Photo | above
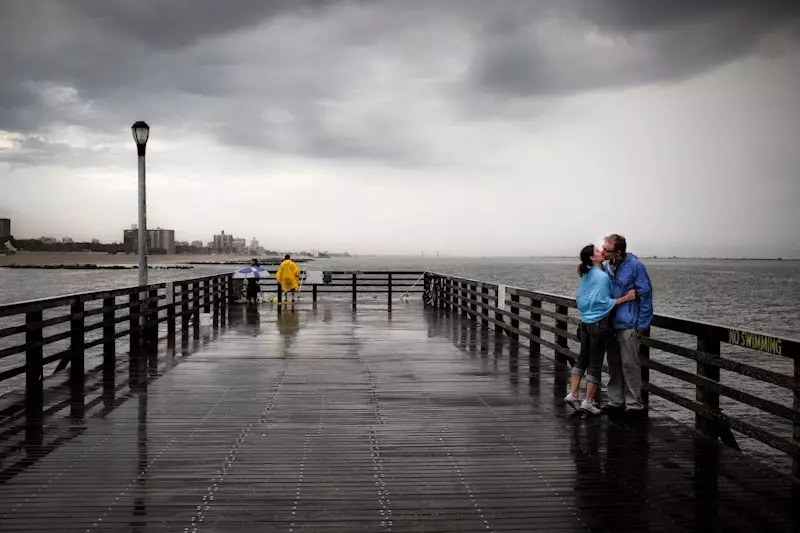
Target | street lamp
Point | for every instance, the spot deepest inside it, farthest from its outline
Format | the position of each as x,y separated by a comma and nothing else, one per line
141,132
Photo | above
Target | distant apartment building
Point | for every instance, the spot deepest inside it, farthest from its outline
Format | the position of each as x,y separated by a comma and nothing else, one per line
5,227
197,244
157,239
223,243
163,239
254,246
240,246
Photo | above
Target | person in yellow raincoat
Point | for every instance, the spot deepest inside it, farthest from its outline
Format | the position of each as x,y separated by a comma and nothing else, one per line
288,275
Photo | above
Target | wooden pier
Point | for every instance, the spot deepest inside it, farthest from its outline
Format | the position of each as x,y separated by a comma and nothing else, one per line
332,416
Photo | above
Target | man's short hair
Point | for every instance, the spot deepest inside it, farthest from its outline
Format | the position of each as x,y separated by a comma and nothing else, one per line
287,256
618,243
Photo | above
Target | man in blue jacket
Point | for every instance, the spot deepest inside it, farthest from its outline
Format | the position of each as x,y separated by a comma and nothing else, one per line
631,322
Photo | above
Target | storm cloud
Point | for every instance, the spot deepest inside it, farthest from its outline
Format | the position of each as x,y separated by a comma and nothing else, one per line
574,45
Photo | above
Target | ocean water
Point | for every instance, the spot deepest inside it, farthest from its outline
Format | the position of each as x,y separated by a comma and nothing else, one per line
762,296
759,295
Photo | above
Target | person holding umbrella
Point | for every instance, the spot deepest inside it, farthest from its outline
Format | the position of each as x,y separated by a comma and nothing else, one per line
288,276
252,274
253,287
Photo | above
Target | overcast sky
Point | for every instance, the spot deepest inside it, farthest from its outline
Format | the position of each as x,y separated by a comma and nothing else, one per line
471,127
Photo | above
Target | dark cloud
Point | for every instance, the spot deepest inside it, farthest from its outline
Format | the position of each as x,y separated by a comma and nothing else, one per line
647,15
571,46
290,75
177,23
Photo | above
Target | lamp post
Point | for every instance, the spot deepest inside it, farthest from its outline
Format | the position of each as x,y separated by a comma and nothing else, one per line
141,132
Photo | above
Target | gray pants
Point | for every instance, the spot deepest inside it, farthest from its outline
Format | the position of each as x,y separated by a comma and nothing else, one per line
624,369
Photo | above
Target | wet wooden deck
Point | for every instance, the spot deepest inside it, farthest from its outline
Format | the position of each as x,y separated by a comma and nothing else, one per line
325,420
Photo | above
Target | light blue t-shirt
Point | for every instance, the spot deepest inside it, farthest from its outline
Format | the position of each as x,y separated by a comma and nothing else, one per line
594,296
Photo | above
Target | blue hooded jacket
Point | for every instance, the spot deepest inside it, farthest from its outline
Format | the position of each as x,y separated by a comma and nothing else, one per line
628,275
594,296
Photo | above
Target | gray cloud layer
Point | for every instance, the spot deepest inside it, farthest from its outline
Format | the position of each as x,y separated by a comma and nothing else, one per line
91,62
575,45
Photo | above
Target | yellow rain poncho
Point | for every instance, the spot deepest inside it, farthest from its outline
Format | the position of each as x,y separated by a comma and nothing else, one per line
288,275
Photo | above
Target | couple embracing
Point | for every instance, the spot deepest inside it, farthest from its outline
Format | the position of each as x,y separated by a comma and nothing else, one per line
615,301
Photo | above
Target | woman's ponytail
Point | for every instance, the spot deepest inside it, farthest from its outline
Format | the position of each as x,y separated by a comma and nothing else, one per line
586,260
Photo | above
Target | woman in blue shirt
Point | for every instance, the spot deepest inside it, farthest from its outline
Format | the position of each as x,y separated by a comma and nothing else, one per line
595,304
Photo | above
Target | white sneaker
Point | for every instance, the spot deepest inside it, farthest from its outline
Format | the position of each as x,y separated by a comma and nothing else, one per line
572,401
590,407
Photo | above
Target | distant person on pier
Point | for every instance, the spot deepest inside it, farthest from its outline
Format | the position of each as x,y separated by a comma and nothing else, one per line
631,322
288,276
595,305
253,287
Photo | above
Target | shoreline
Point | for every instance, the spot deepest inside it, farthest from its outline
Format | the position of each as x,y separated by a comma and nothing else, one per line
69,260
91,266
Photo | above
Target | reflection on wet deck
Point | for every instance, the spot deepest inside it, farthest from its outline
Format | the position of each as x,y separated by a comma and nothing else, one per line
322,419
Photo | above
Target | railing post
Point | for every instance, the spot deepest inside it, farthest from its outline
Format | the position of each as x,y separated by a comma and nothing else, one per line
207,296
474,299
133,322
223,301
152,320
34,390
170,299
560,381
214,303
134,337
109,350
535,349
561,339
451,295
314,294
231,296
498,315
514,314
796,424
707,397
76,357
389,291
196,309
184,314
463,299
354,291
485,310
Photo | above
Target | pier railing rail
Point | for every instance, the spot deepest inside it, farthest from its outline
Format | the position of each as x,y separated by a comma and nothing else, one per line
60,331
377,283
527,315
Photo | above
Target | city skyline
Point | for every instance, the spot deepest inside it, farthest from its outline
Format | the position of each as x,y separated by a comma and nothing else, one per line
255,244
473,128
